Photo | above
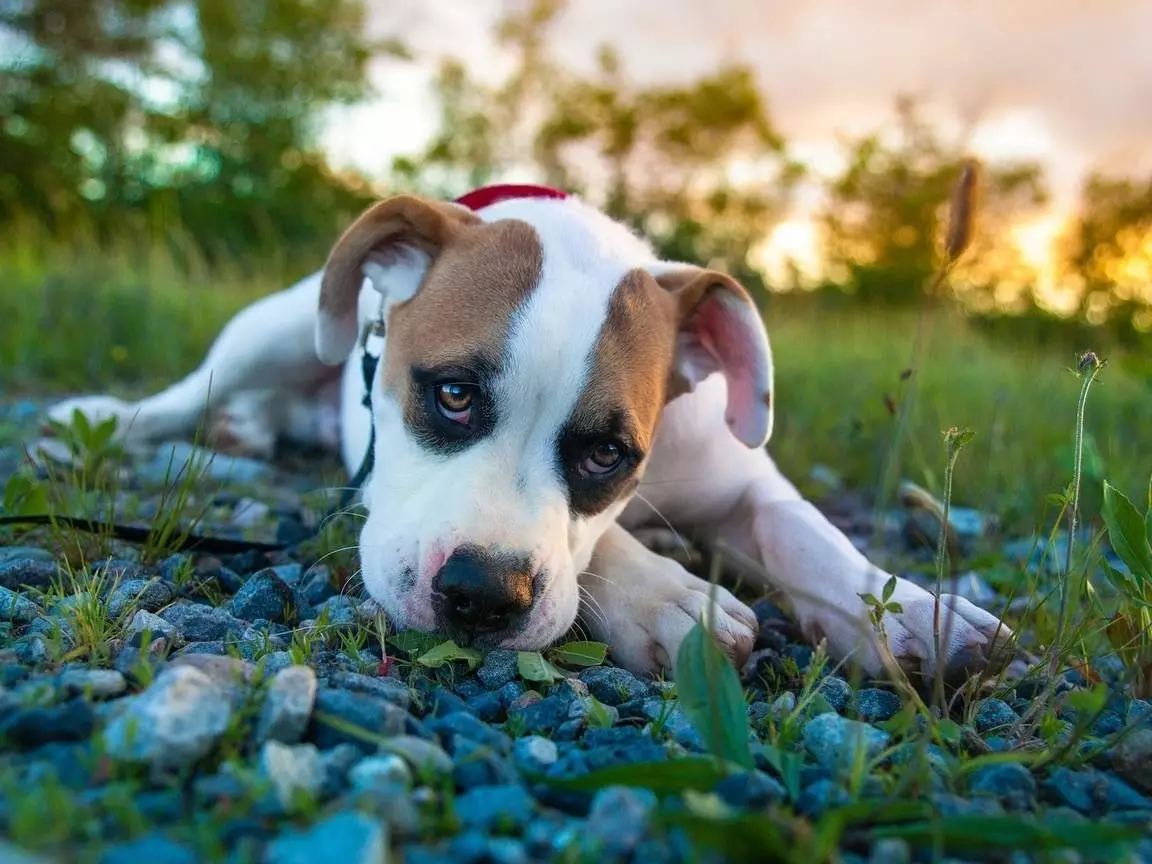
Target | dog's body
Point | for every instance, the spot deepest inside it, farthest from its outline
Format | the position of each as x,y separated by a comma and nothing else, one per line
547,391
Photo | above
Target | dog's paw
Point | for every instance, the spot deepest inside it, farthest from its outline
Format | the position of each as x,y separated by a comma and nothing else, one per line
972,640
96,410
238,433
654,624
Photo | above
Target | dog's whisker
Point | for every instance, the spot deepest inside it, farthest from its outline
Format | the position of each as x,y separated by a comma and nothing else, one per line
679,537
604,579
593,607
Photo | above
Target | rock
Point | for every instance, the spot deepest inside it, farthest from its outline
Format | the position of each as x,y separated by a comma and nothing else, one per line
176,458
344,838
152,847
176,721
18,574
249,512
316,586
200,623
394,691
612,685
491,807
145,622
618,820
97,683
821,795
1010,782
339,610
534,753
385,770
17,608
473,729
294,771
836,742
287,706
499,668
750,790
422,756
784,704
149,595
73,720
477,765
994,715
215,648
1132,758
873,705
229,672
371,715
1093,792
33,553
837,691
265,595
543,715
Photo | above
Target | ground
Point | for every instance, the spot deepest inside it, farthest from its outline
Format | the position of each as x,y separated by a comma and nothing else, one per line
177,706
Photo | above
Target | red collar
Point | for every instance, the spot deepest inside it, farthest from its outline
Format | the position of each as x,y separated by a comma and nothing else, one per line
477,199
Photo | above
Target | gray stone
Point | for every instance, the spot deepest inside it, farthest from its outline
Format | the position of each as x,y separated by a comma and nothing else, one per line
837,691
612,685
1010,782
17,608
836,742
73,720
265,595
97,683
18,574
1093,792
150,595
201,623
367,714
994,715
146,622
618,819
1132,758
176,458
394,691
344,838
499,668
33,553
294,771
488,808
288,705
534,753
874,705
422,756
176,721
374,771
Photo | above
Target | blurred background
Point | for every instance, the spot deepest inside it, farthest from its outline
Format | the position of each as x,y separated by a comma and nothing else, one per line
163,162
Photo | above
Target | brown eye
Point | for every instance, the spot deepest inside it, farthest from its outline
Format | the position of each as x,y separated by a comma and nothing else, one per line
455,401
602,458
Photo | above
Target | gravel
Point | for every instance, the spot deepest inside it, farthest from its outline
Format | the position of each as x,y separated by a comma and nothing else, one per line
243,729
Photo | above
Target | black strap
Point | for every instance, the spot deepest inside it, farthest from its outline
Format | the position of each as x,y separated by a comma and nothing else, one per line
224,545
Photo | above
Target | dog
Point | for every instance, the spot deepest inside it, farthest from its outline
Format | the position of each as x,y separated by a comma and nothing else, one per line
548,391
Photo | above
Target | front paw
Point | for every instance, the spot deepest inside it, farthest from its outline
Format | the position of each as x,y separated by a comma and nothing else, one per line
651,628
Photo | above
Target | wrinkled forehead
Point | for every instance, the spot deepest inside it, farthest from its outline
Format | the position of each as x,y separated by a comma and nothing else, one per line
572,328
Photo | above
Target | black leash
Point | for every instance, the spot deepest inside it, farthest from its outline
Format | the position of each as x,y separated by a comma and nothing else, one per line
224,545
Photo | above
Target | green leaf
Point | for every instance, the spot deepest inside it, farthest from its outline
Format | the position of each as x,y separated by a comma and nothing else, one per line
1127,532
786,764
894,607
533,667
711,697
975,833
949,731
598,714
413,642
1124,583
664,778
889,589
448,651
25,496
579,653
1056,499
870,600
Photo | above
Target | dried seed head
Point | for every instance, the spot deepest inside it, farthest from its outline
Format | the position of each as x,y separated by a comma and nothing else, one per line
962,210
1088,362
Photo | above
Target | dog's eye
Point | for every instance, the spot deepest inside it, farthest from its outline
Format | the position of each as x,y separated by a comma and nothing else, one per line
455,401
602,457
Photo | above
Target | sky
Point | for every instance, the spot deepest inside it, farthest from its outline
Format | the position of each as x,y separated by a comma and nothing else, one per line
1065,82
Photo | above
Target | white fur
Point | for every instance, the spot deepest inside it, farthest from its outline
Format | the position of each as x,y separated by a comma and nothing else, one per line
698,475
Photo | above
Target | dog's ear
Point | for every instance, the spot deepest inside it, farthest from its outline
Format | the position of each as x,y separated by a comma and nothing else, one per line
392,245
720,330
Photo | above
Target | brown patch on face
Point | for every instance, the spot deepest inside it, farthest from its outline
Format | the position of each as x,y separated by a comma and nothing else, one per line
466,303
633,356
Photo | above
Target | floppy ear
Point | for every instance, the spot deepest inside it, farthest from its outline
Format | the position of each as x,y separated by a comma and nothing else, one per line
392,244
720,330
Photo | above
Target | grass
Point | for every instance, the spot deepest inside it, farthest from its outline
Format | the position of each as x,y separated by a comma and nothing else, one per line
133,318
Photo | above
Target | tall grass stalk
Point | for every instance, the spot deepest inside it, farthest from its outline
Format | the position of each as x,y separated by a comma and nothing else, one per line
1088,369
954,441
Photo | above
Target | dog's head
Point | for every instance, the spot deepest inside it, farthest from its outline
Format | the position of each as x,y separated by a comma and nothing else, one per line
530,350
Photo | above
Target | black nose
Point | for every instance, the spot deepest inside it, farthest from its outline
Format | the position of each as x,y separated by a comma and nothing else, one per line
481,591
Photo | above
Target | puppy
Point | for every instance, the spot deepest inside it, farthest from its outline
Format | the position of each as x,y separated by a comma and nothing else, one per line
547,388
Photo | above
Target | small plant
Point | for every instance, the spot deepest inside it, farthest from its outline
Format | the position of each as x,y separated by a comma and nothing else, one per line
1130,627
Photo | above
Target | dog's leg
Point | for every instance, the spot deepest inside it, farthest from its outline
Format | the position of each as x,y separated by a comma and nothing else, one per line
823,576
266,346
643,605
